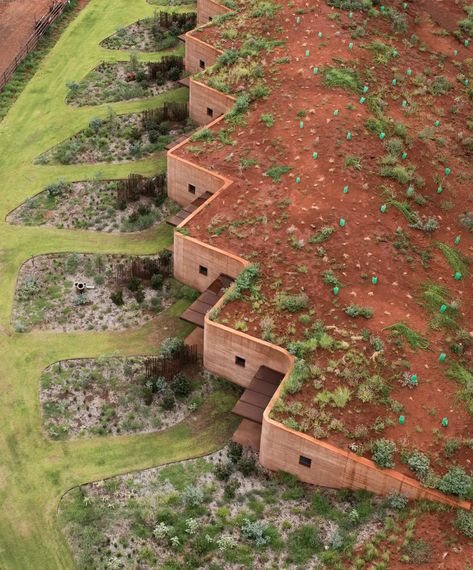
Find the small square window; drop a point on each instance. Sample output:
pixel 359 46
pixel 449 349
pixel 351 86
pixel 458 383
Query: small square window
pixel 202 64
pixel 210 18
pixel 239 361
pixel 305 461
pixel 191 188
pixel 210 112
pixel 203 270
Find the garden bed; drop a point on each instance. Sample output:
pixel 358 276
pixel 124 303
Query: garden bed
pixel 119 138
pixel 46 297
pixel 225 512
pixel 120 81
pixel 115 396
pixel 91 205
pixel 157 33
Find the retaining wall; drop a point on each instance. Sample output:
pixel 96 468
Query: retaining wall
pixel 207 104
pixel 281 448
pixel 199 55
pixel 208 9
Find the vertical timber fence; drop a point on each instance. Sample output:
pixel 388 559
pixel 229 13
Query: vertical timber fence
pixel 40 27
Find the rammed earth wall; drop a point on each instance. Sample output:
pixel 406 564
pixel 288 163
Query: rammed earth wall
pixel 281 447
pixel 208 9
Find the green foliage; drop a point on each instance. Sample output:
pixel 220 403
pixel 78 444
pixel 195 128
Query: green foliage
pixel 170 346
pixel 398 173
pixel 464 377
pixel 439 85
pixel 303 543
pixel 322 235
pixel 292 302
pixel 344 78
pixel 264 9
pixel 414 339
pixel 464 522
pixel 434 296
pixel 417 552
pixel 419 463
pixel 456 260
pixel 298 375
pixel 245 282
pixel 357 311
pixel 353 162
pixel 383 450
pixel 455 482
pixel 275 172
pixel 267 119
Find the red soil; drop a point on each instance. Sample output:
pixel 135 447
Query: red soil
pixel 364 247
pixel 17 22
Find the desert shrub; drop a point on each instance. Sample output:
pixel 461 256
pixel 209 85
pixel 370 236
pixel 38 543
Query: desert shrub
pixel 292 302
pixel 170 346
pixel 157 281
pixel 397 501
pixel 181 385
pixel 29 288
pixel 168 401
pixel 255 532
pixel 464 522
pixel 357 311
pixel 419 463
pixel 341 77
pixel 417 552
pixel 223 471
pixel 117 297
pixel 322 235
pixel 299 374
pixel 193 496
pixel 247 465
pixel 230 489
pixel 275 172
pixel 440 85
pixel 383 450
pixel 455 482
pixel 235 452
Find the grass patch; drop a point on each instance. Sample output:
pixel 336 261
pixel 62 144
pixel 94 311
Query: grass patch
pixel 414 339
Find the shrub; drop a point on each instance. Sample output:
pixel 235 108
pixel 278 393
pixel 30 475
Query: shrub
pixel 223 471
pixel 455 482
pixel 170 346
pixel 235 452
pixel 299 374
pixel 193 496
pixel 230 489
pixel 247 465
pixel 417 552
pixel 140 296
pixel 117 297
pixel 419 463
pixel 181 385
pixel 322 235
pixel 303 543
pixel 357 311
pixel 464 522
pixel 344 78
pixel 397 501
pixel 168 401
pixel 383 450
pixel 255 532
pixel 292 302
pixel 275 172
pixel 157 281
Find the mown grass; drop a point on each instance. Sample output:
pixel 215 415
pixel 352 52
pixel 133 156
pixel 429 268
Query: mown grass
pixel 35 472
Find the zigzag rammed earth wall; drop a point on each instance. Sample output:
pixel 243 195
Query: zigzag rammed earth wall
pixel 280 447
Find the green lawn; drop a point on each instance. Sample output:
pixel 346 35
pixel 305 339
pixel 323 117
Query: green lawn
pixel 35 472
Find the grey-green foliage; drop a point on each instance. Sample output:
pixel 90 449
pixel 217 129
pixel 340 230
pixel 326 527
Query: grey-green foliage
pixel 383 450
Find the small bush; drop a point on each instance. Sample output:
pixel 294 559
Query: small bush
pixel 255 532
pixel 397 501
pixel 235 452
pixel 247 465
pixel 383 450
pixel 357 311
pixel 455 482
pixel 193 496
pixel 419 463
pixel 170 346
pixel 292 302
pixel 117 298
pixel 181 385
pixel 464 522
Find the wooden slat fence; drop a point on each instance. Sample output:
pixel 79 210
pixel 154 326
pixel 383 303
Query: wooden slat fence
pixel 168 367
pixel 143 268
pixel 41 25
pixel 135 186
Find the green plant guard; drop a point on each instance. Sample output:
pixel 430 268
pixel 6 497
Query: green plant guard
pixel 439 190
pixel 414 379
pixel 444 422
pixel 442 357
pixel 394 53
pixel 307 53
pixel 298 20
pixel 443 308
pixel 404 103
pixel 466 43
pixel 382 8
pixel 298 180
pixel 336 112
pixel 365 89
pixel 301 124
pixel 394 82
pixel 348 136
pixel 350 45
pixel 315 155
pixel 345 189
pixel 374 280
pixel 447 171
pixel 316 70
pixel 437 123
pixel 320 34
pixel 342 222
pixel 409 71
pixel 362 100
pixel 350 15
pixel 402 420
pixel 455 52
pixel 383 208
pixel 465 83
pixel 405 5
pixel 382 135
pixel 336 290
pixel 457 240
pixel 404 155
pixel 458 276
